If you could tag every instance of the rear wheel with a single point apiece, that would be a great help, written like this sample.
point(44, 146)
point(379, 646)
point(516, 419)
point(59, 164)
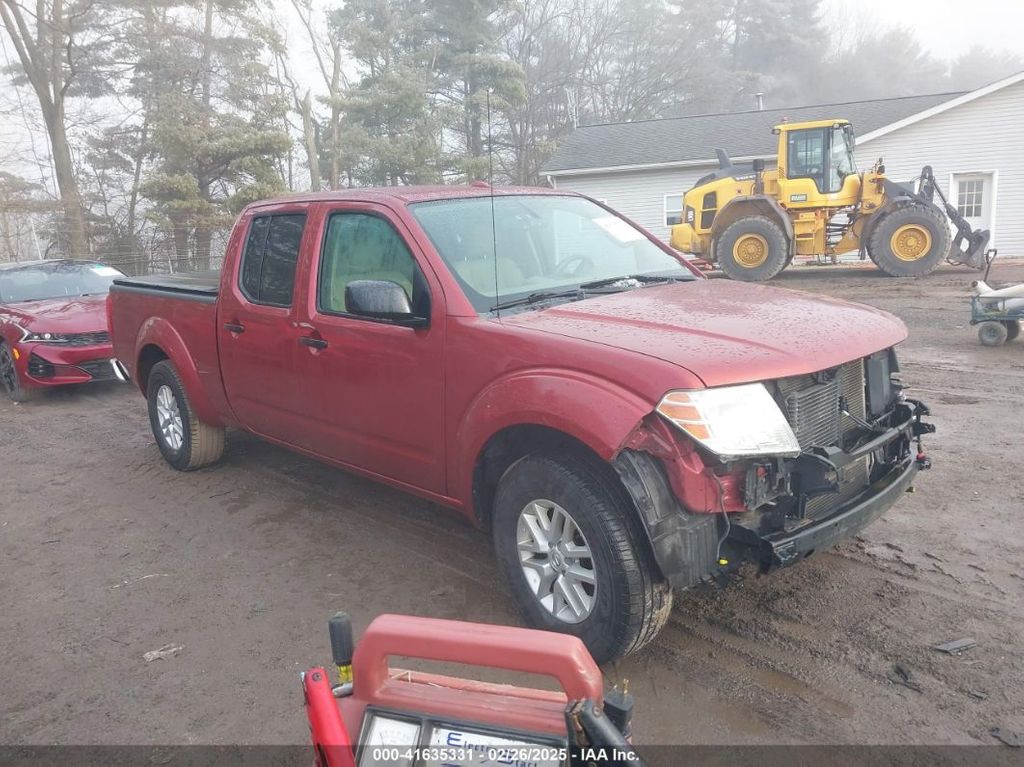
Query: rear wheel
point(993, 333)
point(185, 442)
point(910, 241)
point(9, 379)
point(575, 558)
point(752, 249)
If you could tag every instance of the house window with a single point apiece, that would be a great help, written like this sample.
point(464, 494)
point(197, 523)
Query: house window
point(673, 209)
point(969, 197)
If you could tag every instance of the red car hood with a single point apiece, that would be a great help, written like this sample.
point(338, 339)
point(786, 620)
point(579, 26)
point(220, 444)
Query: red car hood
point(82, 314)
point(725, 332)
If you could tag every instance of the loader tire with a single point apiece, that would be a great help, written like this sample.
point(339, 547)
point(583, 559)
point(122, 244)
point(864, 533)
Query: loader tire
point(752, 249)
point(910, 241)
point(185, 442)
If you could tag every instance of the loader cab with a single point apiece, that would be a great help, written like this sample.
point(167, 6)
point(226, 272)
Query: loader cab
point(821, 153)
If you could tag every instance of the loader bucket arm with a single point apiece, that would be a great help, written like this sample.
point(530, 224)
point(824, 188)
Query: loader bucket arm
point(969, 244)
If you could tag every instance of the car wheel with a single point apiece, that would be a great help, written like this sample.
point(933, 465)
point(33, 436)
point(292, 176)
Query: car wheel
point(10, 380)
point(752, 249)
point(185, 442)
point(992, 333)
point(572, 551)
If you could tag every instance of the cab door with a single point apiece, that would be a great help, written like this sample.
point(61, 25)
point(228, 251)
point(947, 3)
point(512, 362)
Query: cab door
point(257, 330)
point(375, 388)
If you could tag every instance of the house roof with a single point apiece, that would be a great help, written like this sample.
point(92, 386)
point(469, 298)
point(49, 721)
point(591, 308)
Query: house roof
point(683, 141)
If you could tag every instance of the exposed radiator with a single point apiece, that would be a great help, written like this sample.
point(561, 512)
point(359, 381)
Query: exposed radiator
point(812, 404)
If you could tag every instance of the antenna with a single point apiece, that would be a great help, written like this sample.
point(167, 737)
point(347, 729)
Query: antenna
point(490, 186)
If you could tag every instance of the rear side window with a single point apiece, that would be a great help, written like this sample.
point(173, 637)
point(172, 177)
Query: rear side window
point(268, 262)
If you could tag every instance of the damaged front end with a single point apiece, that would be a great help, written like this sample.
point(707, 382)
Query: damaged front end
point(859, 449)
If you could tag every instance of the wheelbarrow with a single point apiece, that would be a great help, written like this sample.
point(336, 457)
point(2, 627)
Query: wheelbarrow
point(996, 311)
point(380, 715)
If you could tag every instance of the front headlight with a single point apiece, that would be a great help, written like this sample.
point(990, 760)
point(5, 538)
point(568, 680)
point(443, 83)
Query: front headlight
point(47, 338)
point(732, 421)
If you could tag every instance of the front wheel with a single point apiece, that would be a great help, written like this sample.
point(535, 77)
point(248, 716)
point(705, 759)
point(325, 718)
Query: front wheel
point(993, 333)
point(185, 442)
point(576, 561)
point(910, 242)
point(9, 379)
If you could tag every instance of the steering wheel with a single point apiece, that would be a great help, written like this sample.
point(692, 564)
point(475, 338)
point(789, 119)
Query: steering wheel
point(574, 266)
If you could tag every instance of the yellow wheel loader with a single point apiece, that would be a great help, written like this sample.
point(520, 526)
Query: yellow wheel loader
point(752, 220)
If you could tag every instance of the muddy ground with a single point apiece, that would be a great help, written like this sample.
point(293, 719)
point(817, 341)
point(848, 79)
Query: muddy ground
point(106, 553)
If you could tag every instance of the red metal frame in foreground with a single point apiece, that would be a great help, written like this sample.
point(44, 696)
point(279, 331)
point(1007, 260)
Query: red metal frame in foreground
point(376, 683)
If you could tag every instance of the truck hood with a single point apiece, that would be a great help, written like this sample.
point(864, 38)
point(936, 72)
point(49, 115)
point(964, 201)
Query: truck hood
point(79, 314)
point(725, 332)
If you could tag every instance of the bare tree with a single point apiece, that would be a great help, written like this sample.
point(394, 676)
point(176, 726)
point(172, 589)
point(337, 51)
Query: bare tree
point(328, 52)
point(45, 41)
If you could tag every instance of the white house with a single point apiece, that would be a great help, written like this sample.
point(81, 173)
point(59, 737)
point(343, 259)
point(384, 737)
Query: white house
point(974, 142)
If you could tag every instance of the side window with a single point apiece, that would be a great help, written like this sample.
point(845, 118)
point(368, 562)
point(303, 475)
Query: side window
point(268, 262)
point(359, 246)
point(807, 155)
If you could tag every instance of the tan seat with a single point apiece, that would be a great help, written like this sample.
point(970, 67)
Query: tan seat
point(480, 274)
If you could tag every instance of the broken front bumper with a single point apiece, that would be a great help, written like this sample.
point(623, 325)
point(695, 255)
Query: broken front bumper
point(787, 548)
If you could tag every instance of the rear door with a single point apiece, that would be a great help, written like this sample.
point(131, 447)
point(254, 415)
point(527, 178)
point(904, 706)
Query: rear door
point(375, 388)
point(257, 328)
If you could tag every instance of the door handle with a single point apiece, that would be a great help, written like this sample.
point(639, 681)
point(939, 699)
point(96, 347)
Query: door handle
point(313, 343)
point(234, 327)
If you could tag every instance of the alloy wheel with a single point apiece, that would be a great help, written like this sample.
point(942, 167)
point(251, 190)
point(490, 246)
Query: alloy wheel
point(556, 561)
point(171, 427)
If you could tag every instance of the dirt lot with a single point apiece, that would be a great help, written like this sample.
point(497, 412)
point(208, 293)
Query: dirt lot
point(106, 553)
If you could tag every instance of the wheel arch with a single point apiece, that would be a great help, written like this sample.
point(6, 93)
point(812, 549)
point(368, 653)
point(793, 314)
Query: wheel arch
point(747, 205)
point(157, 341)
point(551, 404)
point(511, 444)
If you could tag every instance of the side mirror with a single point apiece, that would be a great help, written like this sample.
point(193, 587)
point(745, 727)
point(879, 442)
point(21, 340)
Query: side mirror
point(381, 300)
point(758, 165)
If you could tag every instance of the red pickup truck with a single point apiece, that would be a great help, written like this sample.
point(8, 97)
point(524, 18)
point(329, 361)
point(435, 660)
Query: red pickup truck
point(622, 425)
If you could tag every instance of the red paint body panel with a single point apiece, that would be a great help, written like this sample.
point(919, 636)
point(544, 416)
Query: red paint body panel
point(726, 332)
point(559, 656)
point(82, 314)
point(415, 407)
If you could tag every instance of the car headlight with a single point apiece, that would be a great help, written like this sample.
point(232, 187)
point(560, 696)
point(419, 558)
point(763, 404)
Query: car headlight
point(46, 338)
point(732, 421)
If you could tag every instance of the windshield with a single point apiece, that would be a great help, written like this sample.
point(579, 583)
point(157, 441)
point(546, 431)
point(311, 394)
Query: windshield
point(537, 244)
point(55, 279)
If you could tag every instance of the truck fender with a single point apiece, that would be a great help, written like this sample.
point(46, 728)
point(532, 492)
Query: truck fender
point(158, 332)
point(592, 410)
point(763, 204)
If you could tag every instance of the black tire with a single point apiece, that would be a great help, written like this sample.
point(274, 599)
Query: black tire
point(10, 382)
point(630, 601)
point(927, 217)
point(200, 443)
point(765, 233)
point(1012, 329)
point(993, 333)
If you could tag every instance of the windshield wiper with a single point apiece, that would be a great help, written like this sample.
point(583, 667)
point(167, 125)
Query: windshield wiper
point(648, 279)
point(541, 295)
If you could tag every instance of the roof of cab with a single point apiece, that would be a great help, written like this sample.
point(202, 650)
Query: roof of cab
point(409, 194)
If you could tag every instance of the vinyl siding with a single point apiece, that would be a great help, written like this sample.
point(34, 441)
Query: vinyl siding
point(983, 135)
point(637, 195)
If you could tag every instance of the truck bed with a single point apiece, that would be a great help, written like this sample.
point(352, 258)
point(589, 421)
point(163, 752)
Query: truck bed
point(201, 286)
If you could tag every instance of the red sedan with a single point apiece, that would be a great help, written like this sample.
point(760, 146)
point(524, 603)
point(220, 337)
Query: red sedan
point(53, 325)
